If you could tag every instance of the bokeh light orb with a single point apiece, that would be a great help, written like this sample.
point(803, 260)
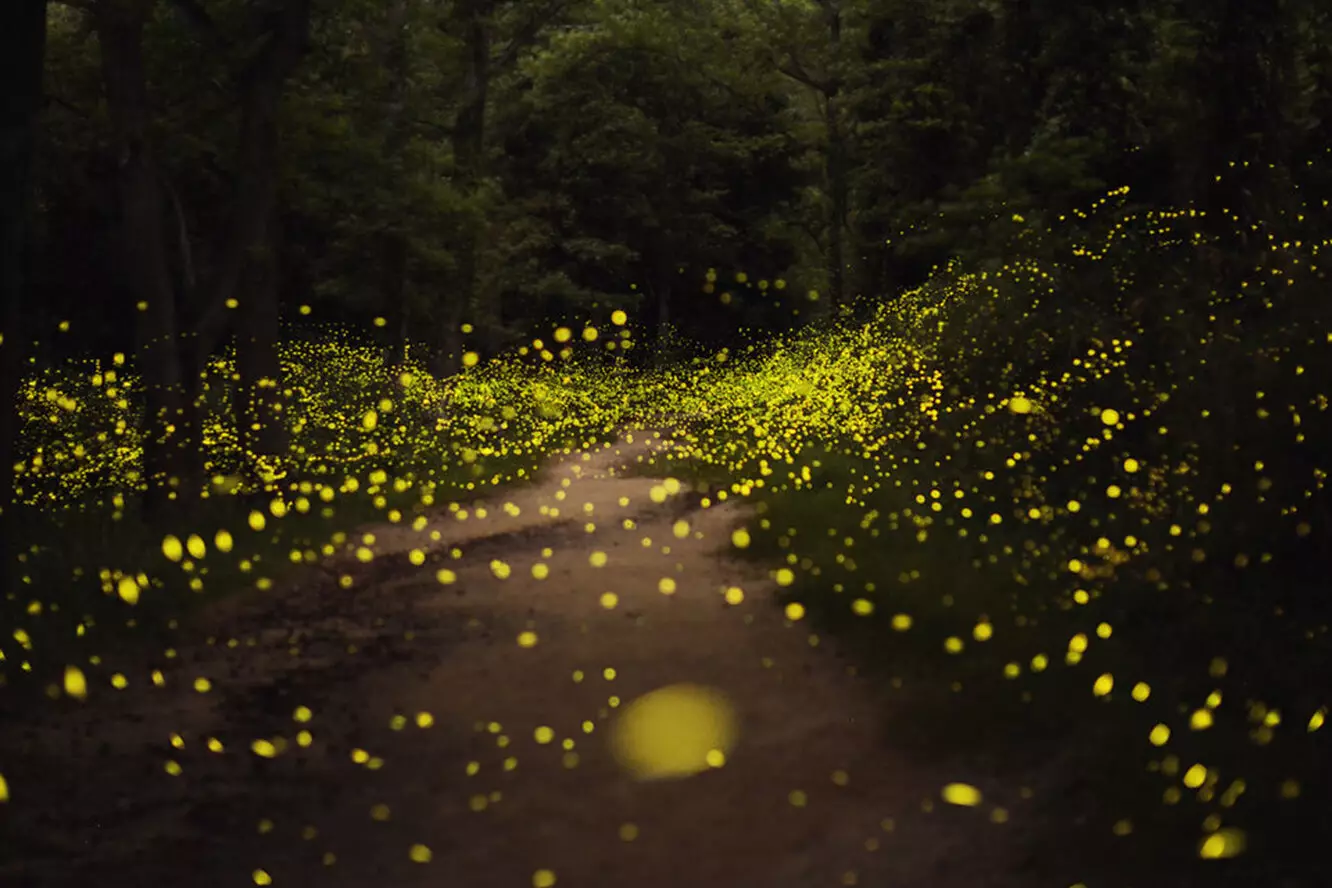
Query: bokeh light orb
point(674, 732)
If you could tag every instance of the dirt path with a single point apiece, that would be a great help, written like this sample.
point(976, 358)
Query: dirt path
point(108, 814)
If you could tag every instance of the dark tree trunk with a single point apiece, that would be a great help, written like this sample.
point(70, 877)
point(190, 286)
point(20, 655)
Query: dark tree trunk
point(660, 287)
point(394, 294)
point(23, 26)
point(258, 324)
point(835, 167)
point(837, 188)
point(257, 173)
point(250, 256)
point(395, 251)
point(143, 251)
point(468, 138)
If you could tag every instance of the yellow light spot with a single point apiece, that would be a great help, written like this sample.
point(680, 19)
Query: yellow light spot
point(128, 590)
point(261, 878)
point(597, 559)
point(735, 595)
point(670, 732)
point(609, 600)
point(628, 832)
point(680, 529)
point(1019, 405)
point(666, 586)
point(202, 685)
point(1201, 720)
point(1110, 417)
point(901, 622)
point(172, 548)
point(1159, 736)
point(785, 576)
point(1103, 685)
point(740, 538)
point(527, 639)
point(953, 644)
point(862, 607)
point(264, 748)
point(618, 318)
point(1194, 776)
point(445, 576)
point(1141, 691)
point(4, 789)
point(76, 685)
point(540, 571)
point(419, 854)
point(961, 794)
point(983, 631)
point(798, 798)
point(543, 878)
point(1224, 843)
point(795, 611)
point(470, 359)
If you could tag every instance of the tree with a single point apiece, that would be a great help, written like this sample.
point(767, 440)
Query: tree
point(246, 253)
point(143, 248)
point(23, 24)
point(675, 165)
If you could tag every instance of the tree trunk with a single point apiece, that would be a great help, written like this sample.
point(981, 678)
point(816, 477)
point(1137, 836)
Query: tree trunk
point(468, 138)
point(258, 326)
point(835, 166)
point(394, 244)
point(393, 283)
point(837, 189)
point(143, 248)
point(251, 253)
point(23, 24)
point(257, 172)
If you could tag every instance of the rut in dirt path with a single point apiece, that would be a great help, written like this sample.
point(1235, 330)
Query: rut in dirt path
point(421, 709)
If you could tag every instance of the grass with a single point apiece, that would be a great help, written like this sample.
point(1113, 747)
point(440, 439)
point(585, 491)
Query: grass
point(963, 711)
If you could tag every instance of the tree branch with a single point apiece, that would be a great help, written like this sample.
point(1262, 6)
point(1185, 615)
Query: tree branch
point(796, 71)
point(56, 100)
point(527, 34)
point(198, 18)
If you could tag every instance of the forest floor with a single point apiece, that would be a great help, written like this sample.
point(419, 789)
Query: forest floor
point(92, 804)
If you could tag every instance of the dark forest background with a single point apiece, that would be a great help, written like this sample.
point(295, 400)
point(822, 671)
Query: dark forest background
point(449, 176)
